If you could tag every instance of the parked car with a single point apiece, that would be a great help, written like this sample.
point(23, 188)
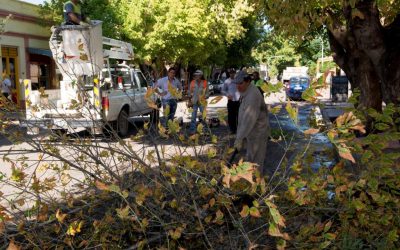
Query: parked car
point(296, 86)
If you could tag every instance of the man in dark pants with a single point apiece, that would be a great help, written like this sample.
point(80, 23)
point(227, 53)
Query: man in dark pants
point(230, 90)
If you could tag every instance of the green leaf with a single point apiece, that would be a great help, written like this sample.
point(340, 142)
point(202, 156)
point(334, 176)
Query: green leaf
point(373, 184)
point(358, 204)
point(275, 110)
point(330, 236)
point(255, 212)
point(273, 230)
point(123, 213)
point(366, 156)
point(114, 188)
point(382, 126)
point(277, 217)
point(309, 95)
point(325, 244)
point(293, 112)
point(393, 236)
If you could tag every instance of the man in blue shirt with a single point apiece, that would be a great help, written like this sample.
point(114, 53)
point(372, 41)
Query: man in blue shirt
point(73, 14)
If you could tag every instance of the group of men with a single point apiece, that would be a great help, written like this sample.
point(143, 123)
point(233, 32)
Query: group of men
point(247, 111)
point(197, 91)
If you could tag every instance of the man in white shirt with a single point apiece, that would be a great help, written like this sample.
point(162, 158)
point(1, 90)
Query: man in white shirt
point(230, 91)
point(167, 99)
point(6, 86)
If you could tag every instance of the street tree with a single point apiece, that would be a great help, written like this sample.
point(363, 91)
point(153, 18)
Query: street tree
point(106, 11)
point(277, 52)
point(363, 35)
point(182, 31)
point(171, 32)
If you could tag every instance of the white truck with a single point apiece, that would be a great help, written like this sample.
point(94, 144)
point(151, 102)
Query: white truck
point(293, 71)
point(93, 93)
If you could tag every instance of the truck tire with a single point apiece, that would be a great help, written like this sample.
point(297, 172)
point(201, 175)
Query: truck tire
point(123, 123)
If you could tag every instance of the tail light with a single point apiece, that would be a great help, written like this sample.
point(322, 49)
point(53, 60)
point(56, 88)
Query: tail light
point(105, 103)
point(119, 80)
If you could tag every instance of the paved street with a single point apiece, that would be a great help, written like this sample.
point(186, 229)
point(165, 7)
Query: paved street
point(288, 143)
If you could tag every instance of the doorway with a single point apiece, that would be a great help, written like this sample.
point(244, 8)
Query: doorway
point(9, 59)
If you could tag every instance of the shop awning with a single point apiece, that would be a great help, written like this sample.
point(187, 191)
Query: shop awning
point(43, 52)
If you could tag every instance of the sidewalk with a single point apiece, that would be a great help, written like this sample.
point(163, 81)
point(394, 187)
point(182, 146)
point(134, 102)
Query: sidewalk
point(331, 110)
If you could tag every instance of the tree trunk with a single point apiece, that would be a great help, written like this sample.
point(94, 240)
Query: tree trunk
point(368, 53)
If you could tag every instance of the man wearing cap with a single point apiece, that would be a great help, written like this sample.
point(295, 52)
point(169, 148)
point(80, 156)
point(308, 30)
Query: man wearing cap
point(198, 91)
point(230, 91)
point(253, 122)
point(166, 84)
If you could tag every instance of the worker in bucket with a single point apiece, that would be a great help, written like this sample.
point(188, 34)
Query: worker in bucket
point(73, 14)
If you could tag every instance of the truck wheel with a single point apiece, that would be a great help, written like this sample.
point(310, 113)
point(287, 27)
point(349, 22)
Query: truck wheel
point(123, 123)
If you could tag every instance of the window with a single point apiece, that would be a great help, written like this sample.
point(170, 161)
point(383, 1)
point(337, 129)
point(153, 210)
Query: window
point(40, 75)
point(141, 79)
point(118, 75)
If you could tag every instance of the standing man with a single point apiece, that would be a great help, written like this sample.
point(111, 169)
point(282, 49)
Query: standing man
point(6, 86)
point(230, 91)
point(253, 125)
point(73, 14)
point(198, 91)
point(258, 82)
point(169, 101)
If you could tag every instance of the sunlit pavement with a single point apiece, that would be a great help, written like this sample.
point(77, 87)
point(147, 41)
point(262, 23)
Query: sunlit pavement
point(291, 143)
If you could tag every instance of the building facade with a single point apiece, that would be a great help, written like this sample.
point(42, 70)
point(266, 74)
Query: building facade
point(24, 43)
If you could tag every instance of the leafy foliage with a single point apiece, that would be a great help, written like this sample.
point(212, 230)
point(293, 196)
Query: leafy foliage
point(169, 31)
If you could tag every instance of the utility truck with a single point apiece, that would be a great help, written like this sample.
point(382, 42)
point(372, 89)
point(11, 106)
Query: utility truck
point(93, 94)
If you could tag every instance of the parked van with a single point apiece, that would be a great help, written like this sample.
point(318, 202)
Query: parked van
point(296, 86)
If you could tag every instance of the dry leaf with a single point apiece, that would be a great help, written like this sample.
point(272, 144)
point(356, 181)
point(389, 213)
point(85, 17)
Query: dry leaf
point(311, 131)
point(216, 99)
point(13, 246)
point(245, 211)
point(2, 227)
point(100, 185)
point(60, 216)
point(255, 212)
point(345, 153)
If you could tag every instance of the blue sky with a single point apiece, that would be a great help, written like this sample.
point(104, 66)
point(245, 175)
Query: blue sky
point(34, 1)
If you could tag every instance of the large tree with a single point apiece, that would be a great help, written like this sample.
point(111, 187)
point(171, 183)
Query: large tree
point(277, 52)
point(363, 35)
point(183, 31)
point(171, 31)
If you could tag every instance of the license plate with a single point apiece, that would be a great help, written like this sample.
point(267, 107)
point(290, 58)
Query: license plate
point(297, 87)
